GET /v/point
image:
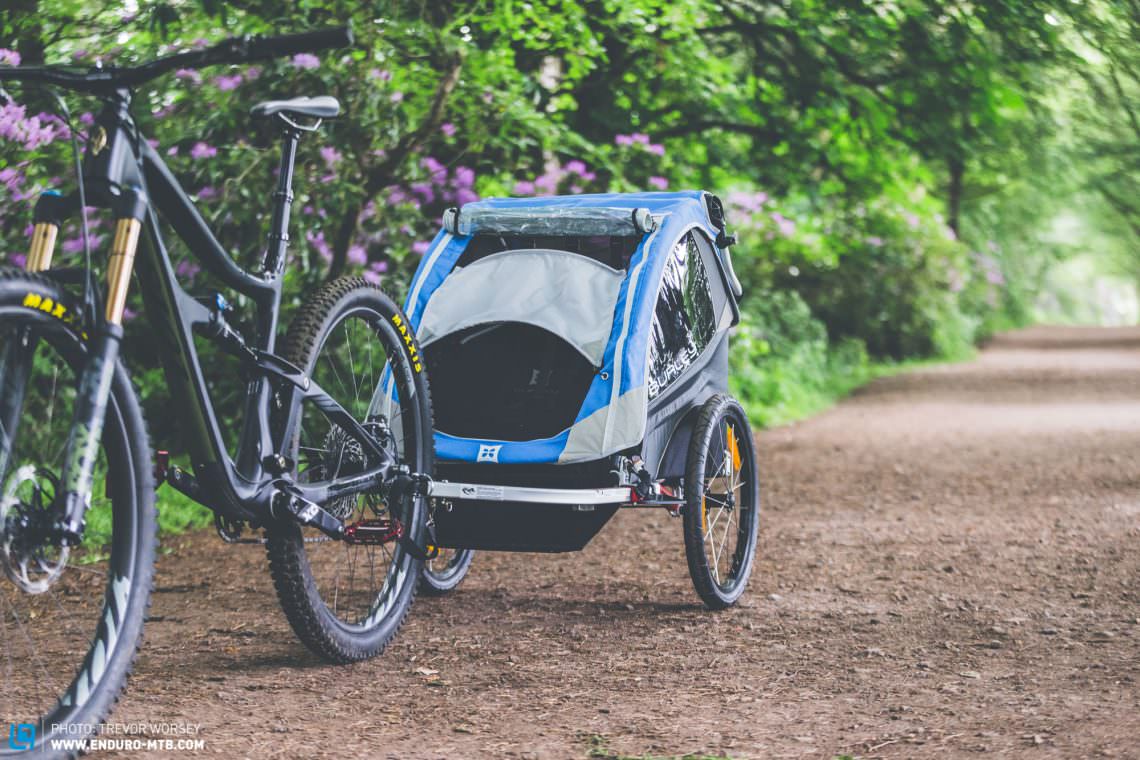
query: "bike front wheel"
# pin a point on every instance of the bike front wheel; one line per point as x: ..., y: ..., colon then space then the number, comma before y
x: 71, y: 618
x: 346, y: 601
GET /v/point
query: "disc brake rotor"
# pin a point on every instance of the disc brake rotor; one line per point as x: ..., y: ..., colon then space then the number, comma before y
x: 30, y: 559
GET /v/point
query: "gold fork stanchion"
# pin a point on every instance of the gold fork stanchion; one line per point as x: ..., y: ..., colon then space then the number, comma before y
x: 120, y: 266
x: 42, y: 249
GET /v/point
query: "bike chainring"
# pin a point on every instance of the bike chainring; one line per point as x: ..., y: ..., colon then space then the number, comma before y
x: 32, y: 559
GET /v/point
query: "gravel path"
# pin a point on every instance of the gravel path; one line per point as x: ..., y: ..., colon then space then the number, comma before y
x: 950, y: 565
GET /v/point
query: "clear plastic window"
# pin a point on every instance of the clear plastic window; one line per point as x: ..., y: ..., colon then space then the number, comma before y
x: 684, y: 319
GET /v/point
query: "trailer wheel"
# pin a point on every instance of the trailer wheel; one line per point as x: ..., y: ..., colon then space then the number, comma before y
x: 446, y: 571
x: 722, y: 502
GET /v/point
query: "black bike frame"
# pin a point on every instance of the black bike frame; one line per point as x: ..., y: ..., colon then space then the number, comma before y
x: 124, y: 173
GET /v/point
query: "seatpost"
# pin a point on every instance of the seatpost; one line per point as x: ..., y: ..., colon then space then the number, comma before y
x: 283, y: 202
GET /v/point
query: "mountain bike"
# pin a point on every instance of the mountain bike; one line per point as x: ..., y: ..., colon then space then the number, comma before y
x: 335, y: 446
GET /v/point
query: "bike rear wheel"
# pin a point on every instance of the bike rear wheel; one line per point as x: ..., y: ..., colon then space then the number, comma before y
x: 70, y: 620
x: 347, y: 601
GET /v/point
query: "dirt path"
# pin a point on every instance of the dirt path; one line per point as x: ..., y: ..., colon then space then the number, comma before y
x: 951, y: 565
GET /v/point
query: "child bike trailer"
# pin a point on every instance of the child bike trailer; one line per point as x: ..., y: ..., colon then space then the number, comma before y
x: 577, y: 353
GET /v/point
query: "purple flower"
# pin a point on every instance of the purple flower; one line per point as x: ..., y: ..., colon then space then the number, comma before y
x: 912, y: 220
x: 75, y: 244
x: 659, y: 182
x: 189, y: 75
x: 447, y: 128
x: 381, y: 74
x: 11, y: 116
x: 875, y: 241
x: 31, y: 132
x: 357, y: 255
x: 252, y: 73
x: 209, y: 192
x: 464, y: 177
x: 488, y: 97
x: 227, y: 83
x: 372, y: 277
x: 331, y: 156
x: 465, y: 195
x: 11, y: 179
x: 575, y: 167
x: 548, y: 182
x: 18, y: 260
x: 435, y: 169
x: 639, y: 137
x: 623, y: 140
x: 306, y: 61
x: 317, y: 240
x: 187, y: 269
x: 424, y: 190
x: 656, y: 149
x: 86, y: 118
x: 379, y: 266
x: 420, y: 247
x: 575, y: 189
x: 9, y: 57
x: 163, y: 112
x: 202, y: 150
x: 396, y: 97
x: 172, y: 151
x: 785, y: 225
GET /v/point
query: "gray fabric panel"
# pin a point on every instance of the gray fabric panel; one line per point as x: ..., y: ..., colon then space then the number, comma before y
x: 570, y: 295
x: 624, y: 418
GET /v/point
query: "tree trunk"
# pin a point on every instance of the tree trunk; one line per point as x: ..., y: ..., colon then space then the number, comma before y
x: 954, y: 194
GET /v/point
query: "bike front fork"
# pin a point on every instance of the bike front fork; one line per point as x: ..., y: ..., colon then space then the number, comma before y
x: 95, y: 380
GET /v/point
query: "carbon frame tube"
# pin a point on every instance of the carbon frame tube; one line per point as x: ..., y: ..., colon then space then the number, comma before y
x: 241, y: 489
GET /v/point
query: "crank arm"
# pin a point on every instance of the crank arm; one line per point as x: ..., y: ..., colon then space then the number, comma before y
x: 306, y: 512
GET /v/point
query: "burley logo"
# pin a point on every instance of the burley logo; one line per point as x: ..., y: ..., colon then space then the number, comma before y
x: 22, y: 736
x: 489, y: 453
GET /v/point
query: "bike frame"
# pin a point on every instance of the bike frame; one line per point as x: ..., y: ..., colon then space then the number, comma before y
x: 126, y: 175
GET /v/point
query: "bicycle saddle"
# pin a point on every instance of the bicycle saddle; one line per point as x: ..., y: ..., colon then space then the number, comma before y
x: 322, y: 107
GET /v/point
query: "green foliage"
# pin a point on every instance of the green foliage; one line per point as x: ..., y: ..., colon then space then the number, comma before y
x: 897, y: 171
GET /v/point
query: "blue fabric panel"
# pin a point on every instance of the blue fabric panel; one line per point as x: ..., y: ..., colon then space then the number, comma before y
x: 433, y: 270
x: 541, y: 451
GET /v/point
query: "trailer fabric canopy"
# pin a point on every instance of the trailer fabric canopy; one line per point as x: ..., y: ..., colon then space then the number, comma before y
x: 516, y: 285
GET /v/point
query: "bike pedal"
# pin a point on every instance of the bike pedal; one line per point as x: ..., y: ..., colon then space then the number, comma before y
x: 375, y: 532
